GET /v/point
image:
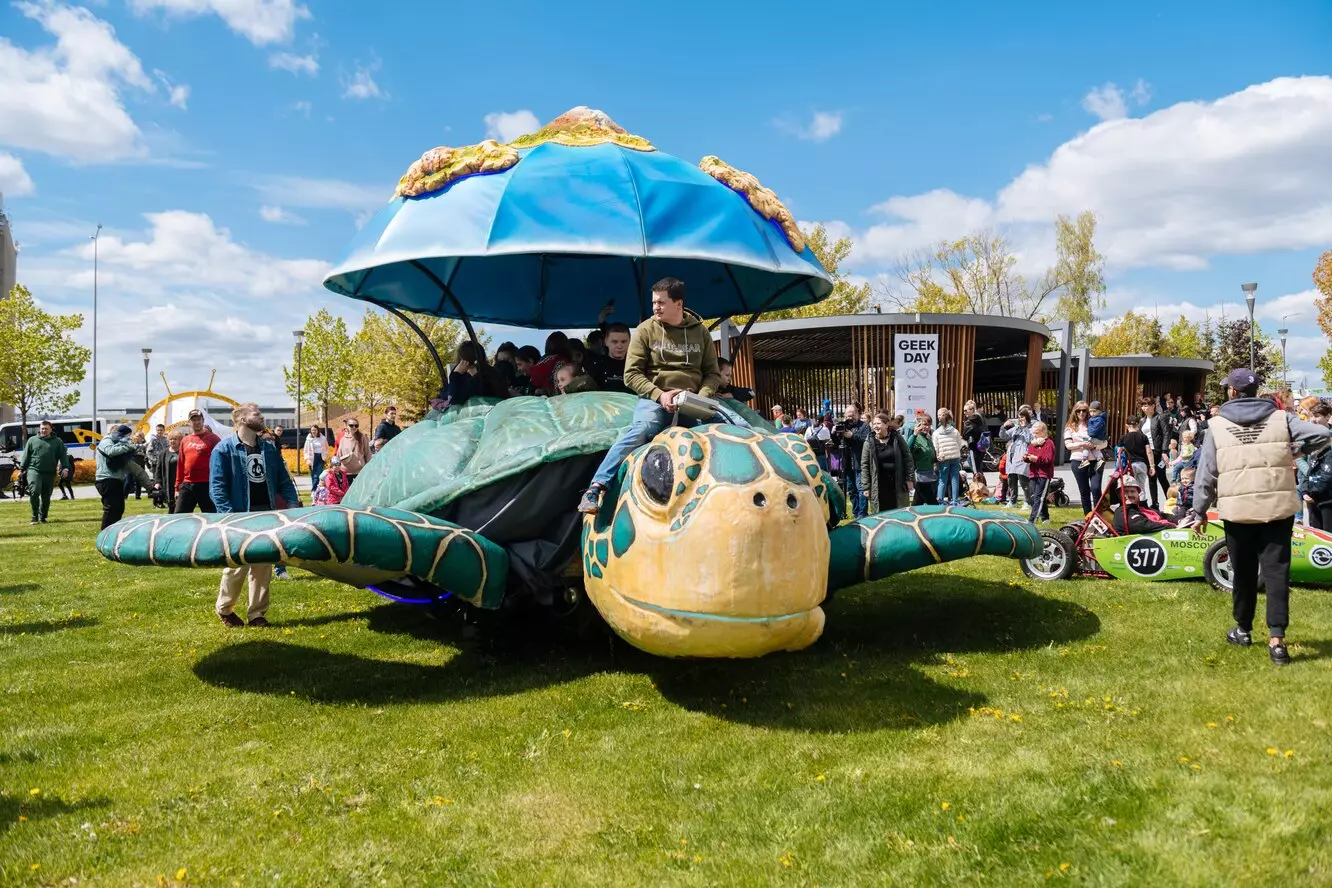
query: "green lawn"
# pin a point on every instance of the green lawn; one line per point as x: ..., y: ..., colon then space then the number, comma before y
x: 956, y: 725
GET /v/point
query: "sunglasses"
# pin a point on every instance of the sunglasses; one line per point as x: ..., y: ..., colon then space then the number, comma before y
x: 353, y: 425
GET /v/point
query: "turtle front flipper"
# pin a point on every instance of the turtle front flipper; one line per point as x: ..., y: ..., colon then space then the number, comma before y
x: 356, y: 545
x: 905, y: 539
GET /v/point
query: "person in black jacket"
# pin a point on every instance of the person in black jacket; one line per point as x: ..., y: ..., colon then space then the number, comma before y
x: 1157, y: 430
x: 973, y: 429
x: 164, y: 471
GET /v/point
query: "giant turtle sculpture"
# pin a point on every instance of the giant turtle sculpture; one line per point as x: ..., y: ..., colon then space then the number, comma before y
x: 712, y: 541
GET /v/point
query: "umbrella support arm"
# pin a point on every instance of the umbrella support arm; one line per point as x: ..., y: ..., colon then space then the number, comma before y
x: 430, y: 346
x: 448, y: 294
x: 761, y: 309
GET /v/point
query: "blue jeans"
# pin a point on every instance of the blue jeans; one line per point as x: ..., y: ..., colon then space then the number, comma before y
x: 950, y: 480
x: 650, y: 418
x: 857, y: 501
x: 316, y: 468
x: 1039, y: 507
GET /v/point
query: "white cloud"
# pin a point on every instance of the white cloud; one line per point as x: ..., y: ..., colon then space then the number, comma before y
x: 303, y: 107
x: 185, y: 288
x: 296, y: 64
x: 66, y: 99
x: 259, y: 21
x: 181, y: 247
x: 14, y: 179
x: 505, y: 126
x: 177, y: 94
x: 1106, y: 102
x: 920, y: 221
x: 279, y: 216
x: 822, y: 126
x: 1244, y: 174
x: 1109, y: 102
x: 362, y: 85
x: 324, y: 194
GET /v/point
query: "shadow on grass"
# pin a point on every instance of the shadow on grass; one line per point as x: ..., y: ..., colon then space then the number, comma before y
x: 46, y: 627
x: 19, y: 588
x: 1314, y: 649
x: 861, y: 676
x: 40, y: 808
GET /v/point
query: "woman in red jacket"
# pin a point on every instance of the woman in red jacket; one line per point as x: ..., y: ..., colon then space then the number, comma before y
x: 1040, y: 459
x: 336, y: 481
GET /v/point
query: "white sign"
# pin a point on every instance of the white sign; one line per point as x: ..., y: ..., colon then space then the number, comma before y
x: 915, y: 373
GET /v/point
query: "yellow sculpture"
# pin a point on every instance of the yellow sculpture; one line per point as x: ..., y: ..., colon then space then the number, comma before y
x: 763, y: 200
x: 438, y: 167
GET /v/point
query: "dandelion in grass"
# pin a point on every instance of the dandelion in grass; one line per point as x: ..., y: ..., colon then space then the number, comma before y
x: 34, y: 792
x: 1211, y: 724
x: 1289, y: 753
x: 1272, y: 750
x: 945, y: 806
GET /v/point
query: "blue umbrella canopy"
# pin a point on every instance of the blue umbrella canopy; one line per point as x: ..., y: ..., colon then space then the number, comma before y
x: 545, y: 231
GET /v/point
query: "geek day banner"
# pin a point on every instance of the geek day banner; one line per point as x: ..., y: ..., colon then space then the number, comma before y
x: 915, y: 373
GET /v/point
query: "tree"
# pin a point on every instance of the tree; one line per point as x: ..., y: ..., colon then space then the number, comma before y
x: 1232, y: 351
x: 975, y: 274
x: 847, y: 297
x: 1322, y: 278
x: 406, y: 372
x: 1186, y: 339
x: 326, y: 363
x: 1133, y: 334
x: 371, y: 377
x: 1079, y: 272
x: 39, y: 359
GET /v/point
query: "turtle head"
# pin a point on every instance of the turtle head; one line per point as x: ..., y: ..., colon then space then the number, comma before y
x: 712, y: 542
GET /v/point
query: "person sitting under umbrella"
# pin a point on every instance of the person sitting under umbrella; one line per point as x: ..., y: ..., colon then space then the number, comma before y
x: 669, y: 353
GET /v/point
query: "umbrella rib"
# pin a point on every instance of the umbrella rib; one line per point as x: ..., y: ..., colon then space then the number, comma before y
x: 639, y: 277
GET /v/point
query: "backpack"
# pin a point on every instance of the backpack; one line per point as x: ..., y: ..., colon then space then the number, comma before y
x: 119, y: 461
x: 984, y: 443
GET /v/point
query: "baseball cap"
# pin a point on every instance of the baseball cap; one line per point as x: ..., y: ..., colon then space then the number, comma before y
x: 1094, y: 405
x: 196, y: 414
x: 1241, y: 378
x: 1130, y: 481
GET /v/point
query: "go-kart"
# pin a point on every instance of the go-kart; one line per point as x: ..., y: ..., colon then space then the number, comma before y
x: 1092, y: 547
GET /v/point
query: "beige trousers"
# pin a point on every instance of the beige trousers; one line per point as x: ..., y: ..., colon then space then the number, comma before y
x: 229, y: 592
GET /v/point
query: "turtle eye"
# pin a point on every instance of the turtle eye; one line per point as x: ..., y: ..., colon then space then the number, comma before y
x: 657, y: 472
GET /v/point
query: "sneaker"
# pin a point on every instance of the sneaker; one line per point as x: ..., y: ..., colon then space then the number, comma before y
x: 43, y: 520
x: 281, y: 573
x: 258, y: 623
x: 1240, y: 637
x: 33, y: 523
x: 231, y: 621
x: 590, y: 504
x: 1280, y: 656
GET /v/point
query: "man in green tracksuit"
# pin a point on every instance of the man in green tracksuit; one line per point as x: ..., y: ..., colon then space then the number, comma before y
x: 43, y: 456
x: 669, y: 353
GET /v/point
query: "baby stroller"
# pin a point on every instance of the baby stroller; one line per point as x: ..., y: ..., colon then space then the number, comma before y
x: 1055, y: 494
x: 8, y: 473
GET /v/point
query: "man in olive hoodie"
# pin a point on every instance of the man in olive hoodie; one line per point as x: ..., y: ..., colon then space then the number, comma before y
x: 669, y: 353
x: 43, y: 456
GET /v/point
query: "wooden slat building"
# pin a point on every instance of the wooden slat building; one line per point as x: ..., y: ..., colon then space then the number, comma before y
x: 997, y: 361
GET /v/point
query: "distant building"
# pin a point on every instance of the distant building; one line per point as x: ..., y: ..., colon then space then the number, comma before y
x: 8, y: 277
x: 8, y: 253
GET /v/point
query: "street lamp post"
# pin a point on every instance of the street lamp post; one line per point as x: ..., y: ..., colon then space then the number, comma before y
x: 1250, y: 299
x: 94, y: 237
x: 1282, y: 333
x: 299, y: 336
x: 146, y: 353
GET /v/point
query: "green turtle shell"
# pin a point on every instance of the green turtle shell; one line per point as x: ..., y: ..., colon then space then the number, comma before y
x: 449, y: 455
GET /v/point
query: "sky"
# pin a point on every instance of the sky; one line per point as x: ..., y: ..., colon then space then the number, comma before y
x: 231, y: 148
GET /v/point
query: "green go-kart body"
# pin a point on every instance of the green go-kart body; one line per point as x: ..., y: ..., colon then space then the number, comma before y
x: 1091, y: 548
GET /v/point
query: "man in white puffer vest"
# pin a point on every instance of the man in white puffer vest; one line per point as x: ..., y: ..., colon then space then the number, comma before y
x: 1247, y: 467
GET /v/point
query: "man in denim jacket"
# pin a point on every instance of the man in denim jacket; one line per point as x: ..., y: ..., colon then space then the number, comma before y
x: 246, y: 474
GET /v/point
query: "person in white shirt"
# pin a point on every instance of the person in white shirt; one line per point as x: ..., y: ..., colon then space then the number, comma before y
x: 316, y: 451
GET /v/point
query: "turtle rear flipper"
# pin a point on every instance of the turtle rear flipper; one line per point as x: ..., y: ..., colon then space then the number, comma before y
x: 905, y: 539
x: 360, y: 546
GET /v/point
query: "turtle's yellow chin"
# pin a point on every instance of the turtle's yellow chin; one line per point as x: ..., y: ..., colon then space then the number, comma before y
x: 743, y: 576
x: 677, y: 633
